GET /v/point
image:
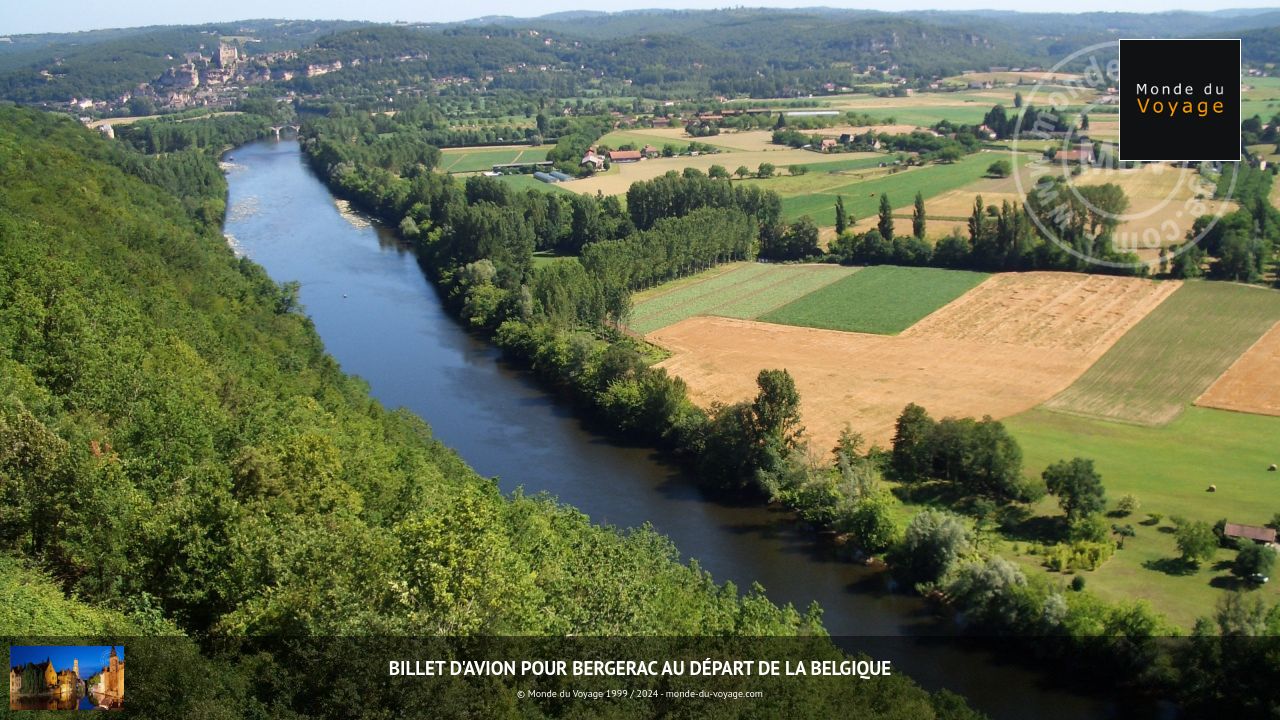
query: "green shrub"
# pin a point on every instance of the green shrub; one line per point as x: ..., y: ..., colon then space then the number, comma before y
x: 1127, y: 505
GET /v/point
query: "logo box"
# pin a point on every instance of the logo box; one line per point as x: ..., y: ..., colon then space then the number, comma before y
x: 1158, y: 78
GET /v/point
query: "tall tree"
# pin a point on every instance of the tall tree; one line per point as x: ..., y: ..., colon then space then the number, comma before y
x: 885, y: 225
x: 842, y: 219
x: 912, y: 456
x: 917, y: 217
x: 777, y: 407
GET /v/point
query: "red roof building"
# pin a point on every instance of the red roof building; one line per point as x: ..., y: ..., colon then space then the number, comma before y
x: 1250, y: 532
x: 624, y: 156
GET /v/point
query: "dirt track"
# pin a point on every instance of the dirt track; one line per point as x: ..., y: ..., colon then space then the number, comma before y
x: 1003, y: 348
x: 1252, y: 383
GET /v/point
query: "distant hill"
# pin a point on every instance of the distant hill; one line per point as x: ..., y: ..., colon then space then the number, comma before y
x: 689, y: 52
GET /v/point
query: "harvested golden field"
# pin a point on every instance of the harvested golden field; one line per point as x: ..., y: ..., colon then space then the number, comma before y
x: 1050, y: 310
x: 1004, y: 347
x: 1252, y: 383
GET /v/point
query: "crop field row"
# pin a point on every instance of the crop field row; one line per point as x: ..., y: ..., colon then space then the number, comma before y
x: 744, y: 292
x: 1171, y: 357
x: 884, y: 299
x: 460, y: 160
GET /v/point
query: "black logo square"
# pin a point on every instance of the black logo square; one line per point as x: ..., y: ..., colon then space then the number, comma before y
x: 1180, y: 100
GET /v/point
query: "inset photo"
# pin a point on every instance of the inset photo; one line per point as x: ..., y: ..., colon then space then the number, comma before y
x: 66, y: 677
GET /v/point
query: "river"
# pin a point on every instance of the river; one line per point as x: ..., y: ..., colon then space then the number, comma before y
x: 382, y: 320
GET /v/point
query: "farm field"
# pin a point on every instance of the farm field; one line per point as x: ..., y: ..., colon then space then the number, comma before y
x: 1046, y: 328
x: 1172, y: 356
x: 528, y: 182
x: 885, y: 299
x: 1252, y: 383
x: 658, y: 137
x: 745, y: 291
x: 622, y: 175
x: 1169, y: 469
x: 476, y: 159
x: 862, y: 198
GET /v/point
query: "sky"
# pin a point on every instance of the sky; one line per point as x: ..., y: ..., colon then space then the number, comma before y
x: 92, y: 657
x: 19, y: 17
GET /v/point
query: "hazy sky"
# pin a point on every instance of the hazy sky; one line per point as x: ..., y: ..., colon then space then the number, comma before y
x: 28, y: 16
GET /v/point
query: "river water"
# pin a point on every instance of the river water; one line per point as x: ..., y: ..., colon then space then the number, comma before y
x: 382, y: 320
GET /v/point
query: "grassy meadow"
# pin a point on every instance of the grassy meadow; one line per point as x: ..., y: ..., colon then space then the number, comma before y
x: 1169, y: 469
x: 862, y: 197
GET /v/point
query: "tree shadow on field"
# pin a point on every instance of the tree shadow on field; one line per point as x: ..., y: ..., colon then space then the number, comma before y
x: 1034, y: 528
x: 1172, y: 566
x: 1229, y: 582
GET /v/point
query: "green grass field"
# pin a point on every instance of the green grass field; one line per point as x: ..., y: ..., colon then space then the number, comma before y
x: 744, y: 290
x: 862, y: 198
x: 529, y: 182
x: 460, y: 160
x: 1169, y: 469
x: 884, y: 299
x: 1172, y: 355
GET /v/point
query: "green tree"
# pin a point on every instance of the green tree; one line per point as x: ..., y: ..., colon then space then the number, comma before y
x: 1196, y: 541
x: 777, y: 407
x: 999, y: 169
x: 1253, y: 559
x: 918, y: 217
x: 912, y: 455
x: 871, y: 524
x: 842, y: 220
x: 1078, y: 487
x: 932, y: 544
x: 765, y: 170
x: 742, y: 171
x: 885, y: 224
x: 718, y: 172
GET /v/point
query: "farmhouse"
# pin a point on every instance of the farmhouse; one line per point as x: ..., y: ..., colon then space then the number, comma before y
x: 591, y: 158
x: 1083, y: 155
x: 828, y: 144
x: 1262, y: 535
x: 650, y: 151
x: 624, y: 156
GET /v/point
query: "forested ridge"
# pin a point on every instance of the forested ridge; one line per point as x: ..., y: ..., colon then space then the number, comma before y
x: 177, y: 449
x: 758, y: 52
